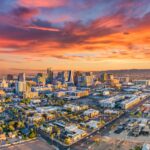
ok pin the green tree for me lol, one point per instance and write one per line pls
(20, 124)
(52, 136)
(11, 128)
(1, 129)
(25, 101)
(68, 141)
(32, 134)
(86, 118)
(137, 148)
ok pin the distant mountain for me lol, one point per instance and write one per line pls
(132, 73)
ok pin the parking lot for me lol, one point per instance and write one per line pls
(121, 132)
(124, 136)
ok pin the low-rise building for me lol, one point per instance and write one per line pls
(111, 112)
(142, 82)
(93, 124)
(2, 93)
(91, 113)
(75, 133)
(42, 89)
(2, 137)
(1, 109)
(60, 94)
(133, 101)
(110, 102)
(73, 108)
(35, 118)
(47, 109)
(35, 101)
(30, 94)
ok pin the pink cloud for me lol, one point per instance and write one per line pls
(43, 28)
(42, 3)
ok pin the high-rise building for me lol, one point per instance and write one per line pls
(49, 76)
(68, 76)
(22, 77)
(110, 77)
(21, 83)
(59, 76)
(85, 79)
(104, 77)
(9, 77)
(41, 79)
(77, 74)
(89, 80)
(65, 76)
(20, 87)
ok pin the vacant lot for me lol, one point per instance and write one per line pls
(113, 144)
(32, 145)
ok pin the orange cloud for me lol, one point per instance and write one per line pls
(114, 37)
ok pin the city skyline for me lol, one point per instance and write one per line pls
(78, 35)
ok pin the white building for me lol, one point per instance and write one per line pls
(109, 111)
(42, 88)
(35, 101)
(75, 133)
(47, 109)
(105, 93)
(93, 124)
(91, 112)
(72, 107)
(110, 102)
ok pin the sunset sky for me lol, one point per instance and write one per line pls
(74, 34)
